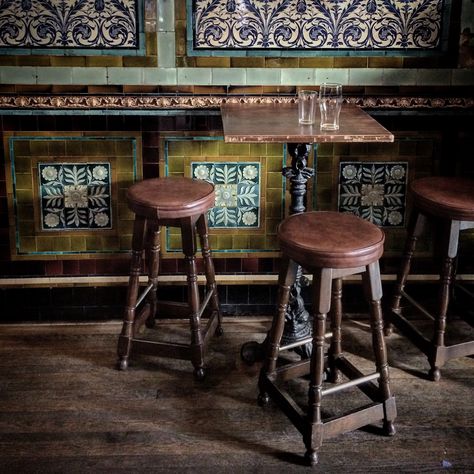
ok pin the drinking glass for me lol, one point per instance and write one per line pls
(330, 102)
(306, 106)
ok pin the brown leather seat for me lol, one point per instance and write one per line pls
(451, 201)
(330, 239)
(182, 203)
(164, 198)
(452, 198)
(331, 246)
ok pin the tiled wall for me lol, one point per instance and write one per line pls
(166, 60)
(171, 60)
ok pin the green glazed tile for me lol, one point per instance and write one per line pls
(39, 148)
(27, 244)
(184, 148)
(257, 242)
(54, 75)
(262, 76)
(24, 196)
(18, 75)
(78, 243)
(298, 76)
(122, 75)
(275, 149)
(195, 76)
(210, 148)
(234, 149)
(45, 244)
(234, 76)
(166, 49)
(23, 181)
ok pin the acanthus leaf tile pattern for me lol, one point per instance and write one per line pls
(75, 196)
(69, 24)
(317, 24)
(375, 191)
(237, 187)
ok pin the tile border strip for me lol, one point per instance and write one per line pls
(177, 102)
(238, 279)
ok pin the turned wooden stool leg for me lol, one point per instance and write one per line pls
(286, 279)
(414, 230)
(335, 314)
(313, 438)
(373, 287)
(125, 338)
(188, 235)
(153, 260)
(203, 232)
(445, 282)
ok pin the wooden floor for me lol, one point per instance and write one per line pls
(64, 408)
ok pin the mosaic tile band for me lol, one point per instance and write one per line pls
(106, 24)
(317, 24)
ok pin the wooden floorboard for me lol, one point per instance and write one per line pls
(64, 408)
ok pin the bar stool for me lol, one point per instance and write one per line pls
(176, 202)
(331, 246)
(451, 201)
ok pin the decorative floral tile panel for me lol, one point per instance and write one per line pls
(237, 187)
(375, 191)
(317, 24)
(66, 193)
(75, 196)
(106, 24)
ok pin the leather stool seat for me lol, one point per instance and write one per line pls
(330, 245)
(449, 201)
(451, 198)
(326, 239)
(182, 203)
(170, 198)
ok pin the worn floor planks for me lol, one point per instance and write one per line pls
(64, 408)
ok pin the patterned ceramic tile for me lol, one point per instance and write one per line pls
(106, 24)
(237, 187)
(321, 24)
(375, 191)
(75, 196)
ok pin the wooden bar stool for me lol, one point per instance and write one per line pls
(176, 202)
(451, 202)
(331, 246)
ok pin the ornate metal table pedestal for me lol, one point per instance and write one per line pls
(297, 324)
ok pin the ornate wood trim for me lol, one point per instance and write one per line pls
(156, 102)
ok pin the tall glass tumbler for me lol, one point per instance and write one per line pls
(330, 102)
(307, 106)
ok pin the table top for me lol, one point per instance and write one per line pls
(279, 123)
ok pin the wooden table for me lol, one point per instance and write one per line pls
(278, 122)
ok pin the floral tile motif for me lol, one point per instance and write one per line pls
(320, 24)
(69, 24)
(237, 188)
(375, 191)
(75, 196)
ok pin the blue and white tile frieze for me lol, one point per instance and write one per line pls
(68, 23)
(237, 187)
(75, 196)
(317, 24)
(375, 191)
